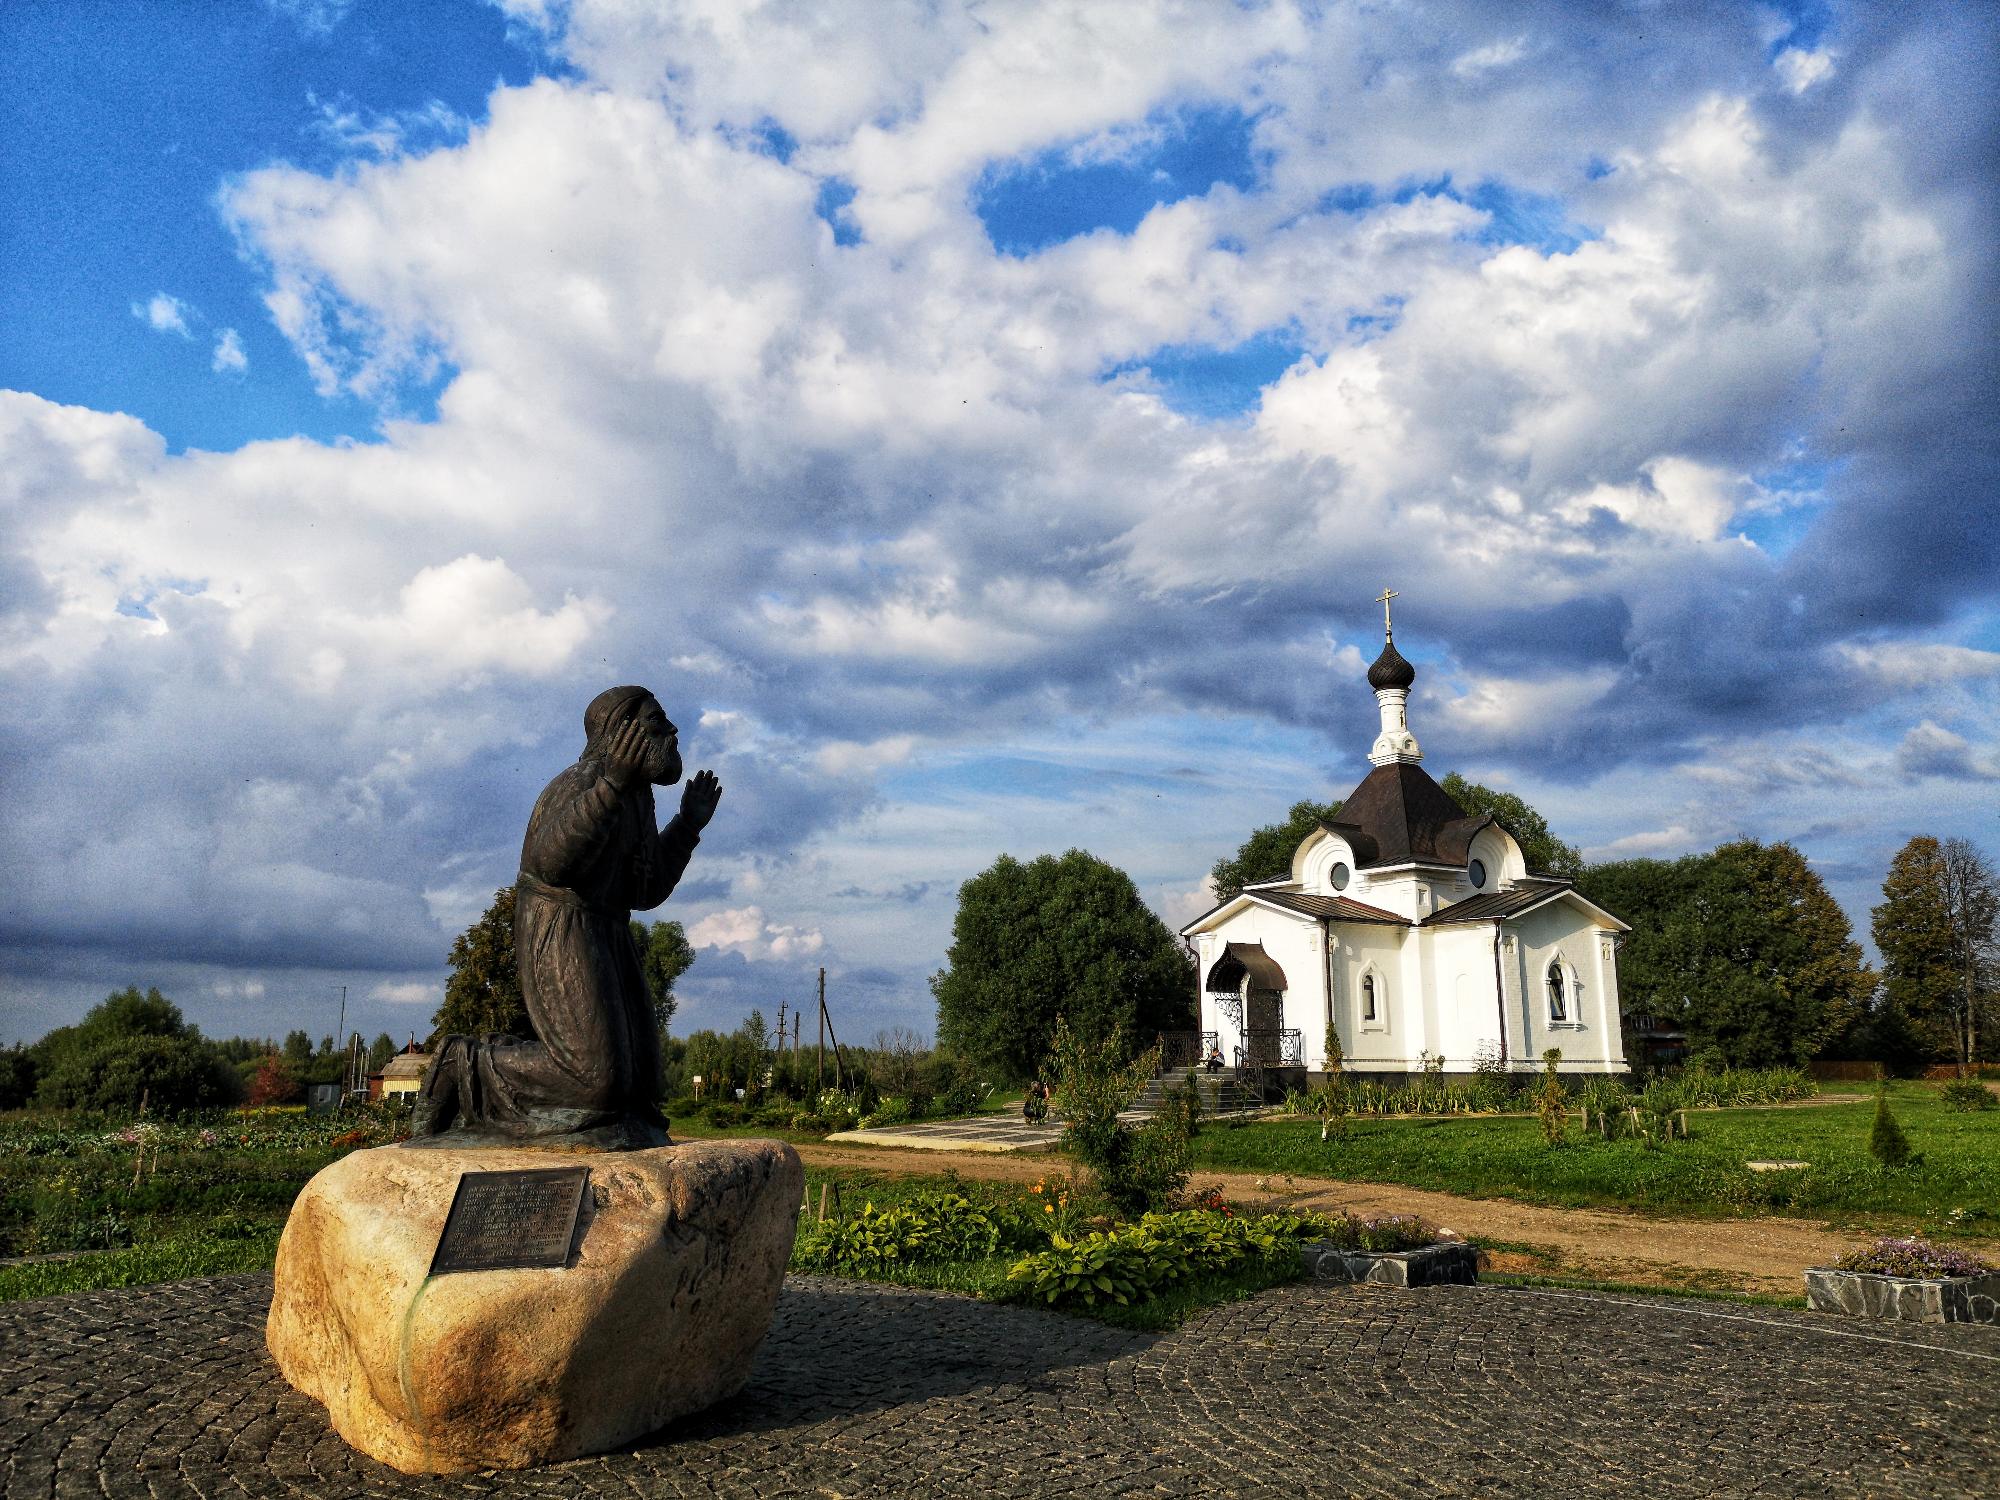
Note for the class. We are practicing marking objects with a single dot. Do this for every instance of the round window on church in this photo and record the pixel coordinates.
(1478, 873)
(1339, 874)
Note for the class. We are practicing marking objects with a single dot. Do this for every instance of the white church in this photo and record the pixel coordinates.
(1413, 928)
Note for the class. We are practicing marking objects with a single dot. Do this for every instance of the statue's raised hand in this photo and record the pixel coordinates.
(626, 755)
(698, 799)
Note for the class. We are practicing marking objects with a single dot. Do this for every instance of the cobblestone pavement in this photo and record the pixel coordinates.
(872, 1391)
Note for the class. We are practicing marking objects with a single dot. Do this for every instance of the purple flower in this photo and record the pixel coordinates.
(1913, 1258)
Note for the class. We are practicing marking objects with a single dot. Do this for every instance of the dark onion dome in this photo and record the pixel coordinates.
(1390, 670)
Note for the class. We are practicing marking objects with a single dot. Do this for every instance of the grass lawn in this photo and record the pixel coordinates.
(1952, 1184)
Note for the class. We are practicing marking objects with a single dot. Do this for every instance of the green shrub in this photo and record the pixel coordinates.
(1549, 1105)
(1134, 1169)
(1160, 1160)
(1137, 1262)
(889, 1112)
(1967, 1094)
(961, 1092)
(1886, 1141)
(934, 1227)
(1345, 1231)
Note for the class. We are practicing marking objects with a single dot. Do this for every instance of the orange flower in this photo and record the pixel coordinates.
(1048, 1208)
(1036, 1188)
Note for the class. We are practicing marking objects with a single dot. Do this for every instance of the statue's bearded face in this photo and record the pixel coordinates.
(663, 746)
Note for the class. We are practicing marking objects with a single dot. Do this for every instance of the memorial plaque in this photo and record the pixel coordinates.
(508, 1220)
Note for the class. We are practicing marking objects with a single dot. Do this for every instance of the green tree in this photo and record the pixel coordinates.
(483, 993)
(1972, 903)
(17, 1077)
(1267, 853)
(132, 1049)
(1779, 971)
(1913, 933)
(1055, 936)
(1656, 896)
(1096, 1076)
(380, 1051)
(1742, 946)
(1886, 1141)
(298, 1050)
(1544, 852)
(664, 955)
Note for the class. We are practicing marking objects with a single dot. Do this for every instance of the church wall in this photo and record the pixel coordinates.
(1293, 943)
(1590, 1040)
(1400, 1031)
(1469, 1013)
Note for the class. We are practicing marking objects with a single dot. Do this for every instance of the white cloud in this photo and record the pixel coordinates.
(164, 313)
(350, 127)
(745, 930)
(1932, 750)
(1799, 68)
(858, 507)
(407, 994)
(1493, 55)
(1900, 663)
(314, 18)
(229, 358)
(1650, 843)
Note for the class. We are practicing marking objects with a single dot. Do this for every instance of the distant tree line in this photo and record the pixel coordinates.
(137, 1048)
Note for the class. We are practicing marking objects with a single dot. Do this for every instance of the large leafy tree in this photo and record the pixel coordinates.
(1267, 853)
(133, 1048)
(483, 993)
(1972, 897)
(1743, 946)
(1935, 930)
(1912, 930)
(1657, 897)
(664, 955)
(1054, 936)
(1544, 852)
(17, 1077)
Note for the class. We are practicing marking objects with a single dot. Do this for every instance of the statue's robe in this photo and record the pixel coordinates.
(591, 855)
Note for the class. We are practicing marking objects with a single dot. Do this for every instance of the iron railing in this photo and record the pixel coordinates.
(1283, 1047)
(1185, 1049)
(1262, 1052)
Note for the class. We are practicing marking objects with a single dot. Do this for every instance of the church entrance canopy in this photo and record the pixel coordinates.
(1244, 960)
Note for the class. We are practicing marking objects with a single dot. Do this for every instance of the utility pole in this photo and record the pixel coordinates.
(341, 1029)
(819, 1065)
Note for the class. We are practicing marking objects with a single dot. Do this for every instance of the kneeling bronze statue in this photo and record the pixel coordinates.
(591, 1073)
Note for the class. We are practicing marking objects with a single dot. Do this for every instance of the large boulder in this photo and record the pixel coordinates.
(679, 1255)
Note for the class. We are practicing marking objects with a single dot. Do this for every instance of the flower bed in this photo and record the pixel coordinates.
(1910, 1281)
(1396, 1250)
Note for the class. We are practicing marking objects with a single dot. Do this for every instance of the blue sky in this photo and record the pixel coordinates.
(986, 428)
(119, 124)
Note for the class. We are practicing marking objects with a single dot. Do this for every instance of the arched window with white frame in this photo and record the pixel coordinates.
(1372, 1000)
(1561, 992)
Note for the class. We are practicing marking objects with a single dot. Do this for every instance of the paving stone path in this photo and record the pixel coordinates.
(872, 1391)
(972, 1133)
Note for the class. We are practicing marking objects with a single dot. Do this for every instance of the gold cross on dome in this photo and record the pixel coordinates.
(1383, 599)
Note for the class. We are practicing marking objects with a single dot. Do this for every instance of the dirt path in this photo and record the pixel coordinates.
(1746, 1255)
